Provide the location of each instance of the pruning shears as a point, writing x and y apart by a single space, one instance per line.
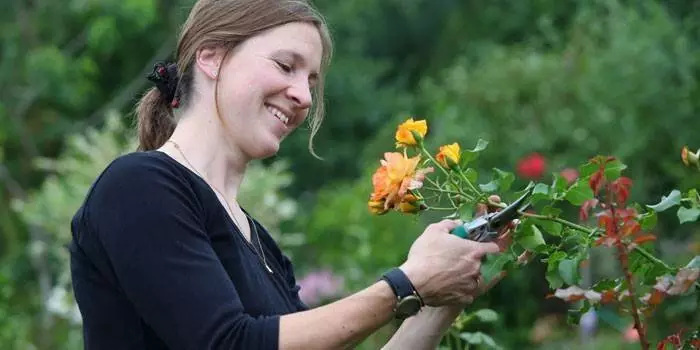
487 228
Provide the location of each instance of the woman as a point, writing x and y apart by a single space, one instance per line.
163 257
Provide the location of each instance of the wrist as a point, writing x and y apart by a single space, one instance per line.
408 300
414 275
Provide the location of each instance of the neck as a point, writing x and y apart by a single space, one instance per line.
202 140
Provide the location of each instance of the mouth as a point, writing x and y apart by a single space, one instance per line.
277 113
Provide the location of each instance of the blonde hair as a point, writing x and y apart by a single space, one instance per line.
226 23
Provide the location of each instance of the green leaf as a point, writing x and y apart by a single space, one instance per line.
489 187
504 178
531 238
550 210
612 171
469 155
553 276
501 181
559 186
688 214
648 220
541 192
479 338
693 196
695 263
579 193
551 227
486 315
466 213
568 270
673 198
494 264
471 175
605 284
480 146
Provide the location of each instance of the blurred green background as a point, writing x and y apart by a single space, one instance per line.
566 79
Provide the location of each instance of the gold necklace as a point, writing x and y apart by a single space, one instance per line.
261 254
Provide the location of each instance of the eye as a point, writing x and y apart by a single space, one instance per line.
284 67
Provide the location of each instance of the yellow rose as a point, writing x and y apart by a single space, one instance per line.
408 129
449 155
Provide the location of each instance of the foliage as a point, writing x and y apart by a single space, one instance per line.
542 231
545 76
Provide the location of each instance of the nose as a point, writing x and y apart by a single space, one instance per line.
300 93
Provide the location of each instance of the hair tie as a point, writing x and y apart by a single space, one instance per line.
164 75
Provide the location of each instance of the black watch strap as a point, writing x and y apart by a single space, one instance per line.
399 283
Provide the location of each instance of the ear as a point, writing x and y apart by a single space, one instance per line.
208 60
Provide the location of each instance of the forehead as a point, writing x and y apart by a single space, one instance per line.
301 39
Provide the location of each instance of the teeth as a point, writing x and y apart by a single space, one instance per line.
278 114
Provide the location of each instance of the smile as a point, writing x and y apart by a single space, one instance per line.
278 114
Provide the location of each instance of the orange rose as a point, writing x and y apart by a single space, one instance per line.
376 207
410 204
406 132
395 177
449 155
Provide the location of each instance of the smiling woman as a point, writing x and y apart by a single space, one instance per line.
162 255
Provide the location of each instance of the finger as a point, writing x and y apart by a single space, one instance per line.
481 249
446 225
467 299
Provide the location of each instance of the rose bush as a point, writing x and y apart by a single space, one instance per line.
417 179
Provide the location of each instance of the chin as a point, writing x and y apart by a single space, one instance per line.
266 151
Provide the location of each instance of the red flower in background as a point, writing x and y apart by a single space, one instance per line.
570 174
532 166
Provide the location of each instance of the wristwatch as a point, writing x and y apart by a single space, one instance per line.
409 302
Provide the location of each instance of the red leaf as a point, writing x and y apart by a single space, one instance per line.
586 207
621 189
596 180
645 238
606 221
684 280
608 296
654 298
630 228
574 293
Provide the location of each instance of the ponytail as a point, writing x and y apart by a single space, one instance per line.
155 120
154 112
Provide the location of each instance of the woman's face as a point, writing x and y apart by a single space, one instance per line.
265 86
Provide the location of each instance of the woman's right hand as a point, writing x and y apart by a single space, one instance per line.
444 268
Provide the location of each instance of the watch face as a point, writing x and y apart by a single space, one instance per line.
408 307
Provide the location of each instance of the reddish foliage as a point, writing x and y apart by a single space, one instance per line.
532 166
673 339
596 181
621 189
586 207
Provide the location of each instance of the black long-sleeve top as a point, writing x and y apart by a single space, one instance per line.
157 263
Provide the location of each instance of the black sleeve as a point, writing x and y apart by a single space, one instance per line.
150 225
292 283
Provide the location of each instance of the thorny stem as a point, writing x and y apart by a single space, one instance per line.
643 252
624 264
430 156
464 177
